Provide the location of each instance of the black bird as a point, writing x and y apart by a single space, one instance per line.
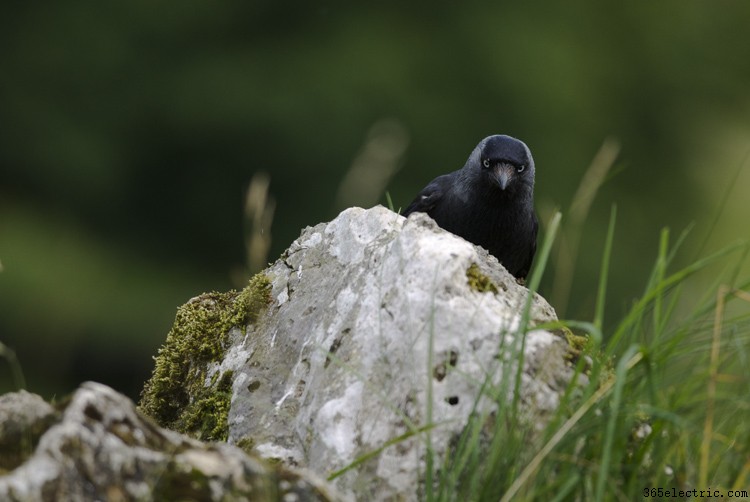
490 202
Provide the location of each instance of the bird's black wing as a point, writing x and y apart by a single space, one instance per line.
430 195
532 251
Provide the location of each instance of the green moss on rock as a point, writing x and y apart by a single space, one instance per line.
478 281
207 415
178 396
577 342
247 444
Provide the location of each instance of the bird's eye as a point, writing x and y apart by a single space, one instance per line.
521 168
486 163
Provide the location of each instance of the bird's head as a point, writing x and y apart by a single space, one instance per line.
506 162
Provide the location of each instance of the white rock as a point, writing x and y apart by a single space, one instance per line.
343 361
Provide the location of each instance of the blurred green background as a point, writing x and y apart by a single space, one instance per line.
129 133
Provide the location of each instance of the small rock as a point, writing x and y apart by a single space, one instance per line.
23 419
102 448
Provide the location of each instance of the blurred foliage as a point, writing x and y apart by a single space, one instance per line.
130 133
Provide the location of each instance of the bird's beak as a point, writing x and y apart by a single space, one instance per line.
504 175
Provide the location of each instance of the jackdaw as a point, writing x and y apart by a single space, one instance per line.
490 202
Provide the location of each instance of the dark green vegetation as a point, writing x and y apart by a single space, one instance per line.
178 395
130 133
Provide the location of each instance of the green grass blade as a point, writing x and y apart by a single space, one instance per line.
620 377
635 315
430 364
374 453
660 270
723 203
19 382
603 274
533 285
389 201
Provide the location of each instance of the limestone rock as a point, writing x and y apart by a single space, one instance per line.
102 448
23 419
371 316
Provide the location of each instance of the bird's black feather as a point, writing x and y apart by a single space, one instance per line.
490 202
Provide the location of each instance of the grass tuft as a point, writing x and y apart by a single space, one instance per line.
665 406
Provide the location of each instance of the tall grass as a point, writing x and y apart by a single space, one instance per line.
600 169
660 401
666 405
